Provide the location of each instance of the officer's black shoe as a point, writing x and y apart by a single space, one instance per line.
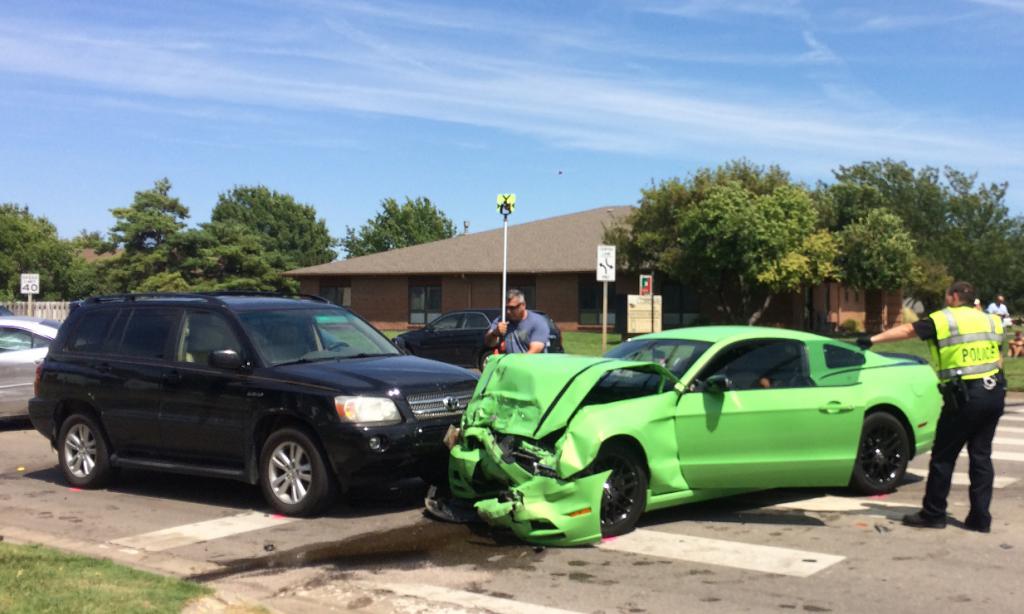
976 525
920 521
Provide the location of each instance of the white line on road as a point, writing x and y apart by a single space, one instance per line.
466 599
1010 429
184 535
1008 441
1013 418
1017 457
962 479
753 557
5 386
831 503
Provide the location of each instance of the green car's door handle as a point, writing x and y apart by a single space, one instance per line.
835 408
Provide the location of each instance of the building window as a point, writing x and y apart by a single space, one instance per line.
424 303
339 295
680 306
590 303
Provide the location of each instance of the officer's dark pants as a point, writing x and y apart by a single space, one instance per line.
974 425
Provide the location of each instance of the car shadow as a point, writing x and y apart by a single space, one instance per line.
358 502
770 508
14 424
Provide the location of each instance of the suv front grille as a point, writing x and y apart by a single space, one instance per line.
438 404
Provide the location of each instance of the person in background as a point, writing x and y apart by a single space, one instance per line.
977 304
1016 346
965 349
999 308
524 332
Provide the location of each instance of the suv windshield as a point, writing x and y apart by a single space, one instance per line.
307 335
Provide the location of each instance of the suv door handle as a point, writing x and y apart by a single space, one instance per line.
172 377
835 408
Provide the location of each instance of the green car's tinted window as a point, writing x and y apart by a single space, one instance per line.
305 335
839 358
622 384
761 364
676 355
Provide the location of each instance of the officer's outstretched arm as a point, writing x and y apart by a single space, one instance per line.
896 333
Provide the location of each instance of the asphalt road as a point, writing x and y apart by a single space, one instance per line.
792 550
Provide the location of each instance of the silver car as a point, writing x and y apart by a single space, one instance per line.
23 344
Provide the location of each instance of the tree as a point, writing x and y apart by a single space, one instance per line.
228 256
146 230
29 244
741 232
959 229
877 252
283 226
414 222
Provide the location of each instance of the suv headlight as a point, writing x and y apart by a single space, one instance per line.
367 410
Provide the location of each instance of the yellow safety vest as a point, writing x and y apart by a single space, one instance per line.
966 343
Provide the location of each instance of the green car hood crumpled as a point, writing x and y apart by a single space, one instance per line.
534 395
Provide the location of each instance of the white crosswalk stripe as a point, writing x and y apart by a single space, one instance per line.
739 555
999 455
463 600
1008 441
183 535
1011 418
962 479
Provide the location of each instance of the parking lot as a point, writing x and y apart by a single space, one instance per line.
805 550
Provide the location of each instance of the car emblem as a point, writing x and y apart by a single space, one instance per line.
452 404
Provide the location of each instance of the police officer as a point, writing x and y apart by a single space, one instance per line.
965 344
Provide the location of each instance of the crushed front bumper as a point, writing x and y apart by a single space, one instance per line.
539 509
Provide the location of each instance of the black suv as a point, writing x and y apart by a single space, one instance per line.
457 337
299 395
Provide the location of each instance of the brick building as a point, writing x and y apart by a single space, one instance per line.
553 262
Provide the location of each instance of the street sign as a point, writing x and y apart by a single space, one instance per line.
506 203
646 285
30 283
605 263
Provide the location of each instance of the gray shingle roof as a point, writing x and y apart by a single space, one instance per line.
567 243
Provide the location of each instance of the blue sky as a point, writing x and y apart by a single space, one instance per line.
570 104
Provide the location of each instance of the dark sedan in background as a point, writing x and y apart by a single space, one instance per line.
457 337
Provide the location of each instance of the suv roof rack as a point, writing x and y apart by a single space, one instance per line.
209 297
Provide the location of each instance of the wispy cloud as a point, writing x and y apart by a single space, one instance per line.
1016 6
911 22
709 8
356 67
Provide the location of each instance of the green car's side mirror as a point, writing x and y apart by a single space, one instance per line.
717 383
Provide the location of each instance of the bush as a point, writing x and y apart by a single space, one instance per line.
850 326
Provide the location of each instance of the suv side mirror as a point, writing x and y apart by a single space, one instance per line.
717 383
226 359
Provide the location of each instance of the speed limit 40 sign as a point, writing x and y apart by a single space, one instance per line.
30 283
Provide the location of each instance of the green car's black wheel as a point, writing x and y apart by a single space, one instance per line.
625 491
882 456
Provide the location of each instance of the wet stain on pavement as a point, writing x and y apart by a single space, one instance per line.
440 544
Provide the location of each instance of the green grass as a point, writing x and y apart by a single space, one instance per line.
587 344
34 579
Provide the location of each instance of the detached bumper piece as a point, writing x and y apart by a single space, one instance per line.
542 510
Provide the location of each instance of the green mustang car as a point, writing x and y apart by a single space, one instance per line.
566 449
